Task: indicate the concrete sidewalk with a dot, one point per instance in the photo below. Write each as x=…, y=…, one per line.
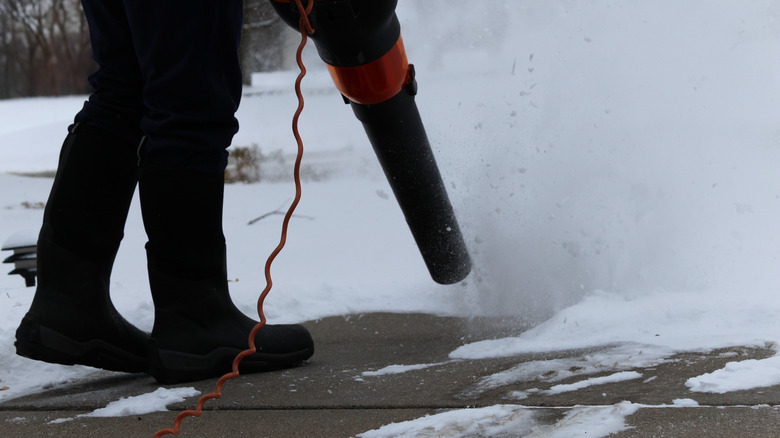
x=331, y=397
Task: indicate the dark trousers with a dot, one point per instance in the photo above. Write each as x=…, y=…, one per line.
x=168, y=73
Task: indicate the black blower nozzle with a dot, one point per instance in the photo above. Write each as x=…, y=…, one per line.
x=360, y=41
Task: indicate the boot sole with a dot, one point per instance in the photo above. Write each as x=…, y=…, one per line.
x=170, y=366
x=38, y=342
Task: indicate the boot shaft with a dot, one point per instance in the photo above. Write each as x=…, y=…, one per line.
x=91, y=193
x=182, y=214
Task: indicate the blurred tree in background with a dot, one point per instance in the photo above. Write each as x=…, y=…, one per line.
x=45, y=48
x=267, y=43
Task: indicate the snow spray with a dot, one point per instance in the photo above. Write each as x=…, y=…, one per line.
x=360, y=41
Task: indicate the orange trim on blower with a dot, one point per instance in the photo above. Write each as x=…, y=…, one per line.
x=375, y=82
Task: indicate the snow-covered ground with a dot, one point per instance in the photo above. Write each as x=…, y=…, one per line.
x=614, y=166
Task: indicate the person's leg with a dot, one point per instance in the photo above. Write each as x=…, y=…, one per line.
x=116, y=102
x=188, y=55
x=198, y=330
x=72, y=319
x=192, y=89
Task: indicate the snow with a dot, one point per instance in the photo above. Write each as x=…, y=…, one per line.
x=736, y=376
x=619, y=358
x=670, y=320
x=612, y=378
x=685, y=403
x=511, y=421
x=145, y=403
x=495, y=421
x=21, y=239
x=613, y=165
x=588, y=422
x=154, y=401
x=398, y=369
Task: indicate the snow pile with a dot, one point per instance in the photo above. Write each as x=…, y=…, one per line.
x=685, y=403
x=494, y=421
x=21, y=238
x=670, y=321
x=156, y=401
x=511, y=421
x=612, y=378
x=589, y=422
x=737, y=376
x=144, y=404
x=615, y=359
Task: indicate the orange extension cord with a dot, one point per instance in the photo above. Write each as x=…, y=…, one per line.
x=305, y=29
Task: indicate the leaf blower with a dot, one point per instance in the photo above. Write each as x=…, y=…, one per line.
x=360, y=41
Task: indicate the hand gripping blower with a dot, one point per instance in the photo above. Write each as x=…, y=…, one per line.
x=360, y=41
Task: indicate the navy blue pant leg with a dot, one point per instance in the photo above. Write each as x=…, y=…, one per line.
x=116, y=103
x=171, y=67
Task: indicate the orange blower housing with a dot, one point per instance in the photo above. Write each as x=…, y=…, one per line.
x=360, y=41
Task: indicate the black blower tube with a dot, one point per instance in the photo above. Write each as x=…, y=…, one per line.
x=360, y=41
x=397, y=135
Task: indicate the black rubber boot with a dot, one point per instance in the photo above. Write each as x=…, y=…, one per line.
x=72, y=319
x=198, y=330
